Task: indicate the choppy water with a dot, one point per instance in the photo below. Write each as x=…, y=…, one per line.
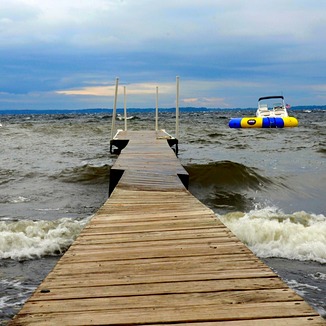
x=267, y=185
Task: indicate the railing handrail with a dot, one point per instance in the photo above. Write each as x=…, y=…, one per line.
x=114, y=111
x=156, y=110
x=177, y=110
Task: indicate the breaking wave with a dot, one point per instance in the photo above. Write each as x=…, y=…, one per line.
x=225, y=185
x=225, y=174
x=85, y=174
x=26, y=239
x=269, y=232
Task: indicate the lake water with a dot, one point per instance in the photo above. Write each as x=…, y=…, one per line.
x=267, y=185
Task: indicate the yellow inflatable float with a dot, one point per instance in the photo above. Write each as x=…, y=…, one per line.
x=263, y=122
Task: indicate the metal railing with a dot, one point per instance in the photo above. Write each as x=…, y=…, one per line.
x=114, y=112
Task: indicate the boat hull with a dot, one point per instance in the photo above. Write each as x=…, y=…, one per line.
x=263, y=122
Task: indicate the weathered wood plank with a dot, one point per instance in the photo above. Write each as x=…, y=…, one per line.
x=186, y=314
x=148, y=237
x=109, y=279
x=146, y=267
x=92, y=288
x=169, y=300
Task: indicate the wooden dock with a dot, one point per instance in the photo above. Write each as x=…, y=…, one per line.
x=153, y=254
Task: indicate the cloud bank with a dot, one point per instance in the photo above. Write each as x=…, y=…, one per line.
x=67, y=54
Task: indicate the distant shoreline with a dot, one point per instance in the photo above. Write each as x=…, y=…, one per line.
x=139, y=110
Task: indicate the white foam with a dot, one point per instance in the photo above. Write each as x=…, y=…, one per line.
x=19, y=199
x=318, y=276
x=301, y=286
x=21, y=291
x=32, y=239
x=269, y=232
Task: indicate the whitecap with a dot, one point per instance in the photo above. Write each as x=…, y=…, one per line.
x=21, y=291
x=318, y=276
x=19, y=199
x=27, y=239
x=269, y=232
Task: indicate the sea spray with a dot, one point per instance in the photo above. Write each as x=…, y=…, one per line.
x=269, y=232
x=33, y=239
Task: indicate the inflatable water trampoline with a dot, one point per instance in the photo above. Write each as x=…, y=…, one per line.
x=275, y=116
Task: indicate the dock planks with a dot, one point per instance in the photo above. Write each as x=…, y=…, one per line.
x=153, y=254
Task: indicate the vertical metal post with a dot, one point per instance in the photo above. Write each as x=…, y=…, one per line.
x=114, y=113
x=177, y=111
x=125, y=106
x=156, y=111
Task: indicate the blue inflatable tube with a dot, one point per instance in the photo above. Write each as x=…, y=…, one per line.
x=263, y=122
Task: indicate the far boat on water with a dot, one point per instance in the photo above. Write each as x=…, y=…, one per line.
x=267, y=116
x=120, y=117
x=278, y=109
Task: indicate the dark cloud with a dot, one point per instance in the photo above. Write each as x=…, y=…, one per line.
x=240, y=49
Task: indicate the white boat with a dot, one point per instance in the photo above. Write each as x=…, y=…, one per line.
x=120, y=117
x=276, y=109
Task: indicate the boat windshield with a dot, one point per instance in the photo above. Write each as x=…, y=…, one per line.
x=278, y=105
x=270, y=103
